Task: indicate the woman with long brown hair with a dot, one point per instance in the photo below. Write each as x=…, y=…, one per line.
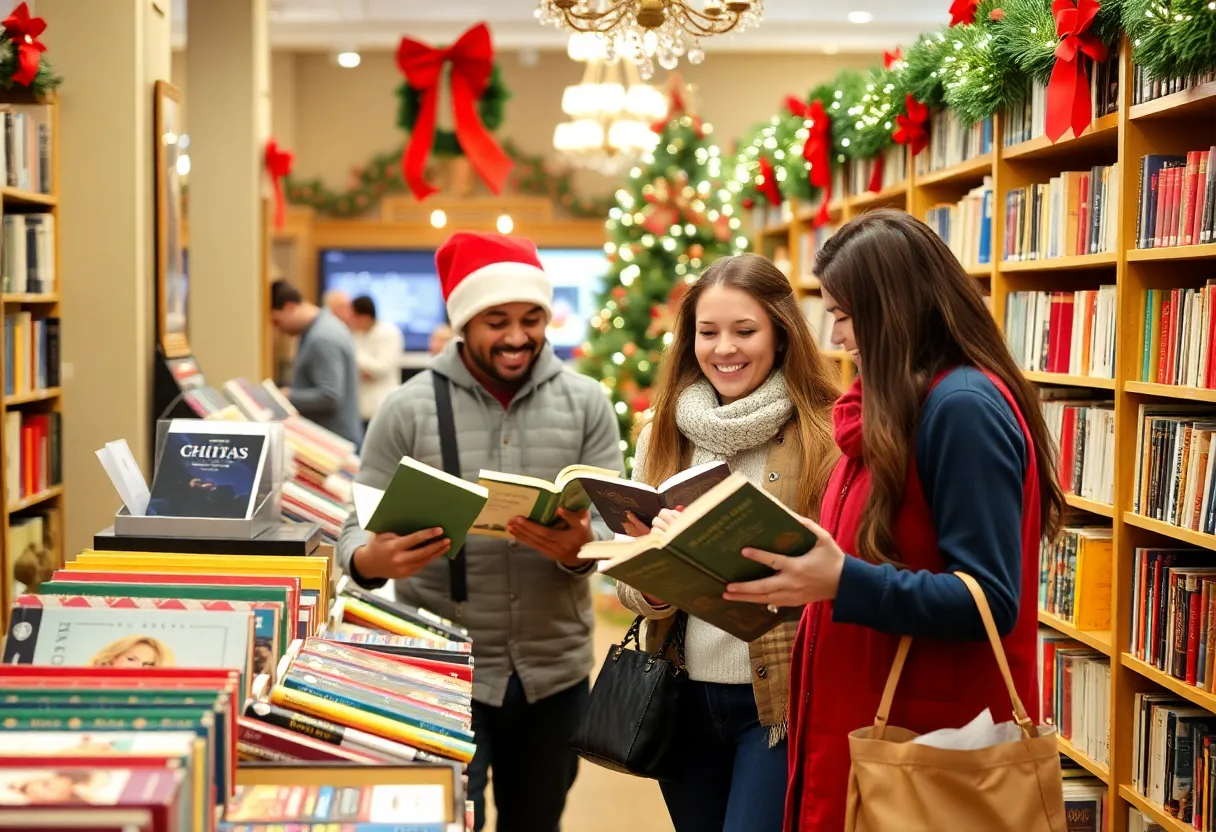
x=947, y=466
x=742, y=381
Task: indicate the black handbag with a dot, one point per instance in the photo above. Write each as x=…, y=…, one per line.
x=630, y=724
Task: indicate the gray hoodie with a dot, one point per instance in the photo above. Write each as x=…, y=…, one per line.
x=524, y=612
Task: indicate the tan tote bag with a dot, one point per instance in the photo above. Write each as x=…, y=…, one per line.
x=897, y=785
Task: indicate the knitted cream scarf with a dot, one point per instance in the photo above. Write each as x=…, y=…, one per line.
x=724, y=430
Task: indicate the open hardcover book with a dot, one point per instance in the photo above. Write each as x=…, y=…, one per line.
x=515, y=495
x=420, y=497
x=616, y=497
x=690, y=564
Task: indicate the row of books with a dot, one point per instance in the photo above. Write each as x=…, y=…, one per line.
x=1063, y=332
x=33, y=460
x=1075, y=682
x=1145, y=89
x=28, y=248
x=129, y=664
x=1179, y=328
x=1072, y=214
x=966, y=226
x=1028, y=120
x=31, y=353
x=1172, y=761
x=1174, y=465
x=809, y=242
x=1177, y=200
x=888, y=169
x=25, y=160
x=1174, y=614
x=1083, y=429
x=1075, y=577
x=952, y=141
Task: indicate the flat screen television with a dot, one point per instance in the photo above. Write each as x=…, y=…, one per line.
x=405, y=287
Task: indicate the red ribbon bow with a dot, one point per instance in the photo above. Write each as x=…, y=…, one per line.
x=818, y=151
x=24, y=31
x=769, y=187
x=889, y=59
x=278, y=165
x=963, y=12
x=1068, y=90
x=911, y=128
x=797, y=107
x=472, y=60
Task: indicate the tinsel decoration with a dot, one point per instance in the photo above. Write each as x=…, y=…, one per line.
x=22, y=63
x=1171, y=38
x=980, y=81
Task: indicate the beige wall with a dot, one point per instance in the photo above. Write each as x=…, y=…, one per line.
x=334, y=119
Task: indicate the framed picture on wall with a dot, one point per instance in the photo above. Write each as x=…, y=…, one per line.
x=172, y=282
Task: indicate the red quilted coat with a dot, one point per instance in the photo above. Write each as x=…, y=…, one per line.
x=839, y=670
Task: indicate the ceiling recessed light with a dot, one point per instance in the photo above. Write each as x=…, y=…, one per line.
x=348, y=60
x=860, y=17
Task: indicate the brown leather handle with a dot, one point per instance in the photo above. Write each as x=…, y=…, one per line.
x=901, y=656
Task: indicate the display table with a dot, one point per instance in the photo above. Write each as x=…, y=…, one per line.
x=281, y=539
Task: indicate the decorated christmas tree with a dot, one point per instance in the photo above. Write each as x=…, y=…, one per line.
x=672, y=218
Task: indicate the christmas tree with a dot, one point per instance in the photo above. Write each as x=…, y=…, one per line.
x=672, y=218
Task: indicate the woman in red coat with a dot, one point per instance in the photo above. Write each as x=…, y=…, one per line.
x=947, y=466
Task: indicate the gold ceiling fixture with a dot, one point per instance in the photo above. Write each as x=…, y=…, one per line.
x=644, y=31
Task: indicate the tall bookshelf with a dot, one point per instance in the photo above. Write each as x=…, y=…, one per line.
x=30, y=300
x=1173, y=124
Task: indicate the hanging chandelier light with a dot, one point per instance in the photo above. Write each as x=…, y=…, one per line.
x=611, y=111
x=642, y=31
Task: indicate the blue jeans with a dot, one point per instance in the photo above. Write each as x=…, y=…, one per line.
x=728, y=780
x=527, y=746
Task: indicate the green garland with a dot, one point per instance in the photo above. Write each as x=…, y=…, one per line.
x=747, y=166
x=922, y=77
x=793, y=170
x=382, y=177
x=868, y=123
x=979, y=80
x=45, y=81
x=491, y=107
x=1171, y=38
x=1026, y=36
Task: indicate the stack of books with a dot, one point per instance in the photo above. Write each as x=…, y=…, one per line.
x=168, y=690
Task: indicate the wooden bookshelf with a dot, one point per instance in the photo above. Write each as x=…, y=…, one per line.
x=1168, y=125
x=47, y=501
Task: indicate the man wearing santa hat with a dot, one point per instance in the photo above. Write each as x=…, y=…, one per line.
x=512, y=407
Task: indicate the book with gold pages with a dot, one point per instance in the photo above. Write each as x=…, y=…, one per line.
x=690, y=564
x=615, y=497
x=515, y=495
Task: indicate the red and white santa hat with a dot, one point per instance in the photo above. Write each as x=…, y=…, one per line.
x=480, y=270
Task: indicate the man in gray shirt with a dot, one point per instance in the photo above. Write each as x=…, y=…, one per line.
x=324, y=383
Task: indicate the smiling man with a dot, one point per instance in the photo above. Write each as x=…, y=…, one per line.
x=525, y=600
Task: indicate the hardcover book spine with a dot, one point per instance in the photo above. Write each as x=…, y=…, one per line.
x=334, y=734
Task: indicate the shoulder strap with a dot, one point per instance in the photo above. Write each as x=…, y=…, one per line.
x=457, y=567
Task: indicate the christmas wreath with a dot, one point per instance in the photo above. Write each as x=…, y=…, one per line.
x=491, y=106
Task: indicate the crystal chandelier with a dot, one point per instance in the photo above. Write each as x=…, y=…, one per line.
x=642, y=31
x=611, y=112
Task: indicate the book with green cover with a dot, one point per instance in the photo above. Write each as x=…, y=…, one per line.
x=419, y=497
x=690, y=564
x=516, y=495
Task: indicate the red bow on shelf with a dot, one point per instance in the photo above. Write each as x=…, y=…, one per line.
x=24, y=31
x=472, y=61
x=889, y=59
x=1068, y=89
x=797, y=107
x=912, y=129
x=963, y=12
x=818, y=151
x=768, y=186
x=278, y=165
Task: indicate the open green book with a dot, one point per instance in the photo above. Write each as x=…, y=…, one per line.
x=515, y=495
x=690, y=564
x=420, y=497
